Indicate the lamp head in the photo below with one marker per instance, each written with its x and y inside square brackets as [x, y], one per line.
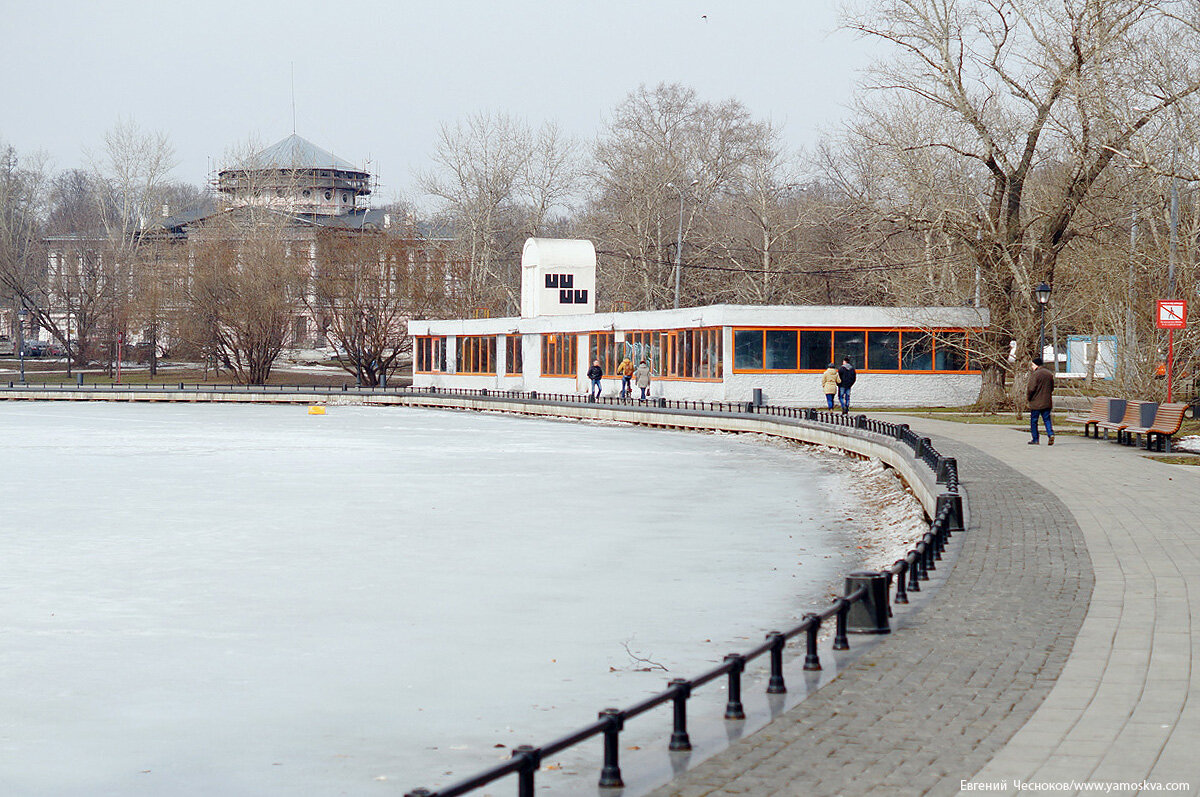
[1042, 293]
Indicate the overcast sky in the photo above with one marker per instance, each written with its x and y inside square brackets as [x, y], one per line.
[374, 80]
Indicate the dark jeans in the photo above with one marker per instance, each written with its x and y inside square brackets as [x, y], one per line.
[596, 388]
[626, 390]
[1033, 423]
[644, 389]
[844, 398]
[829, 400]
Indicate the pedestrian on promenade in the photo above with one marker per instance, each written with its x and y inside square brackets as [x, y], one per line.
[642, 377]
[846, 377]
[625, 371]
[1040, 394]
[595, 373]
[829, 381]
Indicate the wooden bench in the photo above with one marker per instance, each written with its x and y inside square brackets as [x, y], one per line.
[1167, 420]
[1098, 413]
[1133, 417]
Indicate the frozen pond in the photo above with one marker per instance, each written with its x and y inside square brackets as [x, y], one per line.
[248, 600]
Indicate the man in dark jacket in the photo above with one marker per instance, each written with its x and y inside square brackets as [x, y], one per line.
[846, 375]
[1040, 394]
[595, 373]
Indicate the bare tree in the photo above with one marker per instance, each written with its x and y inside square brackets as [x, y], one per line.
[368, 284]
[995, 122]
[247, 283]
[130, 177]
[498, 182]
[22, 206]
[662, 161]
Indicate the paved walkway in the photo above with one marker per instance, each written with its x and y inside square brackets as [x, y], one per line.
[1064, 645]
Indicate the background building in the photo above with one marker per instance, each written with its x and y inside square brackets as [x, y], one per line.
[904, 356]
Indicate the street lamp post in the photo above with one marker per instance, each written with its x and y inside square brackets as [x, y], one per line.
[21, 314]
[68, 338]
[1042, 294]
[679, 240]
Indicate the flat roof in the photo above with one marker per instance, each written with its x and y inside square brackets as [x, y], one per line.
[717, 315]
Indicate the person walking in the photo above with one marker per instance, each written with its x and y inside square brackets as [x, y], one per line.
[595, 373]
[625, 371]
[846, 377]
[642, 378]
[1039, 392]
[829, 381]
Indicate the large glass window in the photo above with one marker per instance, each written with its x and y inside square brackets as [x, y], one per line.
[950, 352]
[815, 349]
[513, 357]
[916, 352]
[883, 351]
[603, 347]
[477, 354]
[558, 355]
[779, 349]
[849, 343]
[748, 349]
[710, 354]
[644, 346]
[431, 354]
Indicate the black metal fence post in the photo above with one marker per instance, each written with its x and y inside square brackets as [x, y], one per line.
[930, 552]
[811, 660]
[776, 685]
[679, 735]
[901, 566]
[531, 760]
[914, 579]
[733, 705]
[840, 642]
[954, 521]
[610, 774]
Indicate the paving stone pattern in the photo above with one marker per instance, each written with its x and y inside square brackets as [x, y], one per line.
[934, 703]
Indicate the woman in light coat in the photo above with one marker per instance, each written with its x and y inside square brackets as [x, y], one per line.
[830, 381]
[641, 377]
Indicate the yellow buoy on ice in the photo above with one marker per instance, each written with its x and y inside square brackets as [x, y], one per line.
[316, 410]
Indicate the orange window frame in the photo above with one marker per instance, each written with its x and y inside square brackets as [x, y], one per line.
[559, 354]
[513, 357]
[430, 357]
[935, 336]
[688, 354]
[477, 354]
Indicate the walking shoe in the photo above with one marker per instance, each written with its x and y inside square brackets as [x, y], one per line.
[1051, 441]
[1032, 443]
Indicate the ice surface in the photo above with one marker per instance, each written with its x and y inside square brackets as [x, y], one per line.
[248, 600]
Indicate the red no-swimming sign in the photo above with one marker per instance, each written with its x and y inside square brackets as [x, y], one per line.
[1172, 314]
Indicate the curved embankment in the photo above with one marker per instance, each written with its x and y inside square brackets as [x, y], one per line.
[929, 707]
[889, 451]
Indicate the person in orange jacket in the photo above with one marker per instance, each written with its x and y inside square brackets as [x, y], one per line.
[625, 371]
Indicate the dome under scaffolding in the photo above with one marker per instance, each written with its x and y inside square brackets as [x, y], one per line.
[298, 176]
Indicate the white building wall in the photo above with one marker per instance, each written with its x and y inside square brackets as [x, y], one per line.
[801, 389]
[870, 390]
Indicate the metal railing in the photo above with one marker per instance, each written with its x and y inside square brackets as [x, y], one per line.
[867, 594]
[869, 591]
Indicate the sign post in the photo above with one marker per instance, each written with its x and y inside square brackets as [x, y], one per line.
[1171, 315]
